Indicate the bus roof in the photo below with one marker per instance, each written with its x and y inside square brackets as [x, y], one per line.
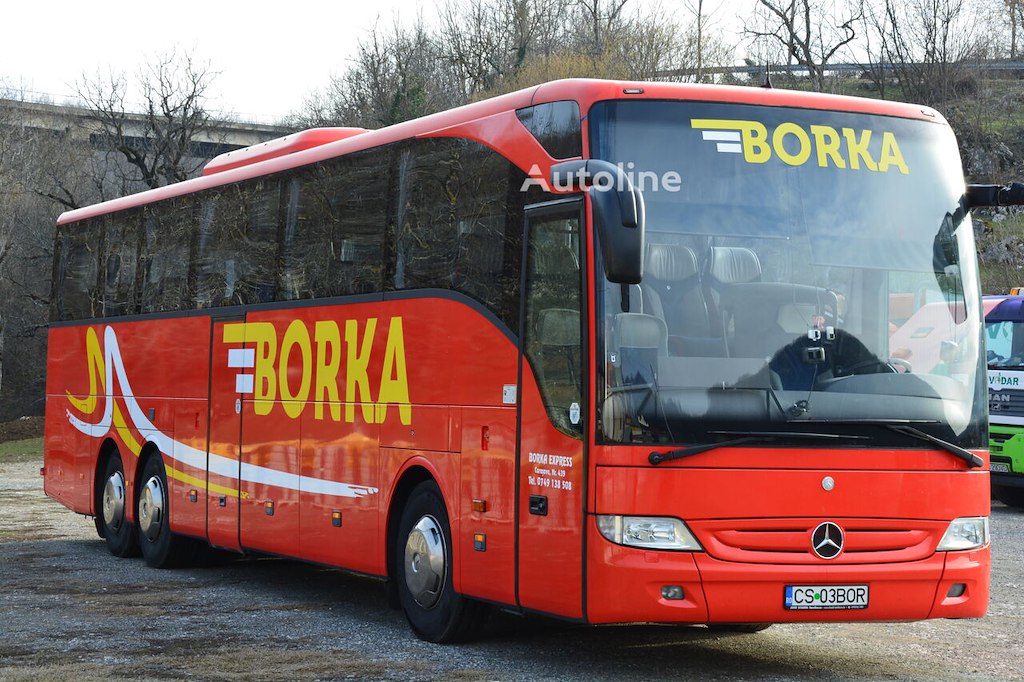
[316, 145]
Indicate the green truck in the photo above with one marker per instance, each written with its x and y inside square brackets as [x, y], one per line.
[1004, 344]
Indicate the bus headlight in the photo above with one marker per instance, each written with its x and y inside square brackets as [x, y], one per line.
[969, 532]
[649, 532]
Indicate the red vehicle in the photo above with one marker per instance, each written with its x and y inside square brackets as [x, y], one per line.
[607, 351]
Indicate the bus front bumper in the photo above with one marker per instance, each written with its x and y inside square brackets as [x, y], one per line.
[626, 584]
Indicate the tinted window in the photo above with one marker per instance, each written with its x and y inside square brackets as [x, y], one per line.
[341, 220]
[168, 231]
[459, 223]
[424, 214]
[120, 258]
[76, 271]
[556, 125]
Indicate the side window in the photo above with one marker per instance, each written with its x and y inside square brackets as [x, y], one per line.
[257, 266]
[237, 252]
[556, 125]
[489, 232]
[120, 259]
[167, 235]
[552, 305]
[426, 220]
[77, 275]
[212, 253]
[341, 222]
[458, 223]
[301, 260]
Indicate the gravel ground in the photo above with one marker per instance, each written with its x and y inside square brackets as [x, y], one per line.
[69, 610]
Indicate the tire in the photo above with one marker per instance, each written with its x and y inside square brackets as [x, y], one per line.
[423, 572]
[160, 547]
[112, 509]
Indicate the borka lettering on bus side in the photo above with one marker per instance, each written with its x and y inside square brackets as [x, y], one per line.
[323, 373]
[846, 149]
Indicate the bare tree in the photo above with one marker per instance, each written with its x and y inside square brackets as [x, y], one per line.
[486, 41]
[155, 146]
[396, 76]
[1015, 14]
[600, 18]
[930, 44]
[812, 32]
[25, 255]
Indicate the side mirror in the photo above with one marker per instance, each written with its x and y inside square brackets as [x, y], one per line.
[618, 214]
[994, 195]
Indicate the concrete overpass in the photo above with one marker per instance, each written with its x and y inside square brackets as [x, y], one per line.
[71, 120]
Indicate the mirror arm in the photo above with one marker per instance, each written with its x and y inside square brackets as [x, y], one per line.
[995, 195]
[581, 174]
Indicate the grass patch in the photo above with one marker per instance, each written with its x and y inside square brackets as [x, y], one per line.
[27, 450]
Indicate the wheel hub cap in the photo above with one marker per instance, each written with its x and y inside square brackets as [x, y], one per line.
[151, 508]
[425, 562]
[113, 501]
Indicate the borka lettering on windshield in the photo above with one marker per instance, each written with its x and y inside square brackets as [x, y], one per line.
[796, 145]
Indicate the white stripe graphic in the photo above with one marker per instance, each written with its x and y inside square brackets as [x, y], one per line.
[184, 454]
[244, 358]
[728, 140]
[244, 383]
[721, 136]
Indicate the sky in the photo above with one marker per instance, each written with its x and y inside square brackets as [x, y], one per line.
[269, 55]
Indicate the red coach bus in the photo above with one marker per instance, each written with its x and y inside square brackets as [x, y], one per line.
[606, 351]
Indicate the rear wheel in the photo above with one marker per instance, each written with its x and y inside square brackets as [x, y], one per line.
[423, 572]
[112, 520]
[160, 547]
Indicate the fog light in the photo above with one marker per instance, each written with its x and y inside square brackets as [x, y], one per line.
[956, 590]
[673, 592]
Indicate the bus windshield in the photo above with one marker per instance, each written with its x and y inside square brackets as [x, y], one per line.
[801, 266]
[1004, 334]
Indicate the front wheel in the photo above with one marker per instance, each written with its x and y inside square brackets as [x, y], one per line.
[112, 520]
[423, 572]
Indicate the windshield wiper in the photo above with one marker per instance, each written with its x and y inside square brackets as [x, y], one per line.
[749, 437]
[973, 461]
[904, 427]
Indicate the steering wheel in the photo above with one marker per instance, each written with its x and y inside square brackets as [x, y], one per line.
[886, 367]
[901, 362]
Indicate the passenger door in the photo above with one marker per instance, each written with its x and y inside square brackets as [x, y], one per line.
[551, 457]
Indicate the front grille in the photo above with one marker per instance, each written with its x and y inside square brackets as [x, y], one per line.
[788, 541]
[996, 442]
[1000, 438]
[1007, 402]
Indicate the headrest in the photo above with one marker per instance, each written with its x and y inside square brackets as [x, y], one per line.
[559, 327]
[635, 330]
[670, 263]
[734, 264]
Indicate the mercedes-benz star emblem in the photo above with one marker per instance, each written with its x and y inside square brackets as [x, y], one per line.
[827, 540]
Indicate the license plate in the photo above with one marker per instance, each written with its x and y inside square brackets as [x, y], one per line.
[999, 467]
[826, 596]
